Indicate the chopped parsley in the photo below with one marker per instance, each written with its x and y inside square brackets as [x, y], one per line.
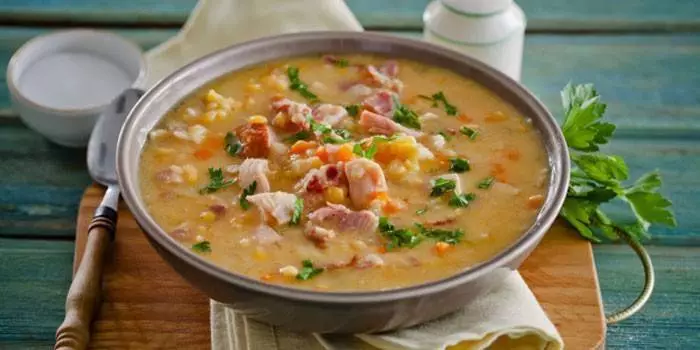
[298, 209]
[248, 191]
[299, 86]
[231, 144]
[469, 132]
[298, 136]
[398, 238]
[421, 211]
[319, 128]
[439, 97]
[337, 136]
[353, 109]
[486, 183]
[365, 153]
[216, 181]
[442, 186]
[445, 135]
[405, 116]
[448, 236]
[308, 271]
[341, 62]
[202, 247]
[459, 165]
[461, 200]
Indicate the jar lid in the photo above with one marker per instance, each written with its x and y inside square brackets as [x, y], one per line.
[477, 7]
[444, 22]
[74, 71]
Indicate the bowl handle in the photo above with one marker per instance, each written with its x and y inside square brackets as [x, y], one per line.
[649, 279]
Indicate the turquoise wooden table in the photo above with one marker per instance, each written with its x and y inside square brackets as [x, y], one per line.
[643, 56]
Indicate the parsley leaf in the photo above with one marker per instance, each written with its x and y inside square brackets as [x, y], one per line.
[300, 135]
[248, 191]
[448, 236]
[308, 271]
[469, 132]
[461, 200]
[353, 109]
[202, 247]
[216, 181]
[597, 178]
[439, 97]
[398, 238]
[459, 165]
[442, 186]
[405, 116]
[298, 209]
[421, 211]
[231, 144]
[299, 86]
[445, 135]
[372, 149]
[486, 183]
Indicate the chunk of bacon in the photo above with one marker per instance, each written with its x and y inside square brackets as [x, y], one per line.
[318, 235]
[385, 76]
[329, 114]
[256, 139]
[317, 180]
[381, 102]
[296, 113]
[378, 124]
[342, 219]
[254, 169]
[366, 182]
[275, 206]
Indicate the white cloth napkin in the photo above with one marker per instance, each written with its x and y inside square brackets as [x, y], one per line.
[507, 318]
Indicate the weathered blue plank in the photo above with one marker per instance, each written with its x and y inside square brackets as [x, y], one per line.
[35, 278]
[592, 15]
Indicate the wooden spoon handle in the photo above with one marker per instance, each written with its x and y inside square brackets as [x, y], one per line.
[84, 294]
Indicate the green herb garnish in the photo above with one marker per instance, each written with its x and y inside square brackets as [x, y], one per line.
[308, 271]
[438, 97]
[298, 136]
[341, 62]
[445, 135]
[421, 211]
[448, 236]
[459, 165]
[597, 177]
[442, 186]
[469, 132]
[231, 144]
[486, 183]
[202, 247]
[461, 200]
[216, 181]
[405, 116]
[398, 238]
[298, 209]
[299, 86]
[337, 136]
[353, 109]
[248, 191]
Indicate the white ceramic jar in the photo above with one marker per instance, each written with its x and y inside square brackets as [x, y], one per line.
[491, 31]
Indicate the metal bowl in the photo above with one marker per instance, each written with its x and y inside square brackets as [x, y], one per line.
[328, 312]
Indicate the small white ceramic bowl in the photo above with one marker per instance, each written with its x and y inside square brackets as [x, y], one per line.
[61, 82]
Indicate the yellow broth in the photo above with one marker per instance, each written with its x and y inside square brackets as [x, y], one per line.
[175, 162]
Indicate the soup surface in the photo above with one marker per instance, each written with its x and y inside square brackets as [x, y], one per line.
[344, 173]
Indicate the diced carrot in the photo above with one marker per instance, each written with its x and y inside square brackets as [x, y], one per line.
[464, 118]
[302, 146]
[344, 154]
[392, 207]
[381, 249]
[499, 172]
[512, 154]
[203, 154]
[266, 277]
[535, 202]
[213, 142]
[322, 154]
[495, 117]
[441, 248]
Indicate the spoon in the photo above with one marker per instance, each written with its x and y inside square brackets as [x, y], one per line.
[84, 293]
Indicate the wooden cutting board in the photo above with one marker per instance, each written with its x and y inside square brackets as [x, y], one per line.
[146, 304]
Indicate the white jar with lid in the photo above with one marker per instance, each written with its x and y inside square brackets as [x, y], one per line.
[491, 31]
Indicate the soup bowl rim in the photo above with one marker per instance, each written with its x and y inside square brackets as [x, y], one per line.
[133, 134]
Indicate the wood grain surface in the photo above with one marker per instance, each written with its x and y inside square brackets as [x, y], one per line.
[146, 304]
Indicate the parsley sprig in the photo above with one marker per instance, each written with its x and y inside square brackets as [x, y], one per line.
[216, 181]
[231, 144]
[597, 178]
[202, 247]
[439, 97]
[299, 86]
[404, 115]
[298, 210]
[248, 191]
[410, 238]
[308, 271]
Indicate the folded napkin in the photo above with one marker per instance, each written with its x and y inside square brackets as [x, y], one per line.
[508, 318]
